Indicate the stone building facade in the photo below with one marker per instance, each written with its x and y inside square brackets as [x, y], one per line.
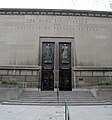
[48, 48]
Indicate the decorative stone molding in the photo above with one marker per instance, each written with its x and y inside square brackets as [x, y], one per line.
[19, 70]
[56, 12]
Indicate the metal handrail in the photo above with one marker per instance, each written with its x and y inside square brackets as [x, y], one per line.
[67, 114]
[57, 94]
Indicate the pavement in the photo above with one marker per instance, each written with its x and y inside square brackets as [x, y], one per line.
[25, 112]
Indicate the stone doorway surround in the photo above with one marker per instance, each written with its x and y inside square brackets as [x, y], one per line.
[56, 41]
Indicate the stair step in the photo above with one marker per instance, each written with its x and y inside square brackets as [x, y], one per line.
[52, 104]
[59, 99]
[27, 101]
[56, 97]
[50, 98]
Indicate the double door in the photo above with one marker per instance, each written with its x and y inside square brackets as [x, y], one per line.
[56, 66]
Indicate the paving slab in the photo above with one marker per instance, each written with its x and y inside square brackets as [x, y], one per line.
[28, 112]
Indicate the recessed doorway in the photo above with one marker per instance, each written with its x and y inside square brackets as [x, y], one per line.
[56, 62]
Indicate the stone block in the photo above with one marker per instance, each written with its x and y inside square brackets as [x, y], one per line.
[32, 78]
[3, 72]
[20, 78]
[31, 84]
[28, 72]
[77, 73]
[7, 77]
[86, 73]
[10, 72]
[35, 72]
[23, 72]
[97, 73]
[17, 72]
[107, 73]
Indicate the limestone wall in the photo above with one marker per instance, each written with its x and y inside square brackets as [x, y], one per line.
[20, 35]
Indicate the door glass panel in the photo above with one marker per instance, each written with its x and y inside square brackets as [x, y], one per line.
[65, 80]
[47, 80]
[64, 55]
[47, 55]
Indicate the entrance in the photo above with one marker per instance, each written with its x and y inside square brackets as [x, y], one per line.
[56, 65]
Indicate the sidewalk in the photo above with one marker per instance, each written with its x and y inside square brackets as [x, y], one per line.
[17, 112]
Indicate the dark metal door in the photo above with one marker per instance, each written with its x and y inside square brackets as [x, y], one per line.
[65, 66]
[47, 81]
[61, 64]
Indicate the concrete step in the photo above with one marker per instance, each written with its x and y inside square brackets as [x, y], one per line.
[55, 98]
[69, 102]
[60, 100]
[56, 104]
[50, 98]
[61, 97]
[64, 94]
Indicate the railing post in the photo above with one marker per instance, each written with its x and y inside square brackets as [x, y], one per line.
[65, 110]
[57, 95]
[67, 114]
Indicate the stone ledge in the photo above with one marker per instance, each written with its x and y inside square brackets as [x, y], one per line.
[7, 93]
[102, 92]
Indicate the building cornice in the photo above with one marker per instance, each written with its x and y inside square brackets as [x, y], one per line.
[55, 12]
